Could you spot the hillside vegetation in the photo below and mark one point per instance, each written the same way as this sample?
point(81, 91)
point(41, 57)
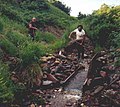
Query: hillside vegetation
point(21, 56)
point(18, 53)
point(103, 26)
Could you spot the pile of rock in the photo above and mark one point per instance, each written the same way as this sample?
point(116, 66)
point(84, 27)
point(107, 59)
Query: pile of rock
point(59, 69)
point(102, 86)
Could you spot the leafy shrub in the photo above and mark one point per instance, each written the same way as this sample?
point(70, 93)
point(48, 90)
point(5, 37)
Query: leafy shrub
point(31, 53)
point(6, 86)
point(63, 7)
point(101, 23)
point(115, 39)
point(115, 43)
point(8, 47)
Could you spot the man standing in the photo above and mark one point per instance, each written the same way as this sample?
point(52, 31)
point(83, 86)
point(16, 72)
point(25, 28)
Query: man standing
point(32, 28)
point(79, 38)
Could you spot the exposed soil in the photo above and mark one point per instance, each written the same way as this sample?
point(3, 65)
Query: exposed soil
point(58, 32)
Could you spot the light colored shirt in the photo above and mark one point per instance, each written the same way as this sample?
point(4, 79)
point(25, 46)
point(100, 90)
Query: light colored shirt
point(79, 34)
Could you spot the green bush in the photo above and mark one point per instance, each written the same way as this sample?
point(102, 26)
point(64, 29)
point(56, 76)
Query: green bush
point(101, 23)
point(115, 39)
point(115, 43)
point(8, 46)
point(6, 86)
point(31, 53)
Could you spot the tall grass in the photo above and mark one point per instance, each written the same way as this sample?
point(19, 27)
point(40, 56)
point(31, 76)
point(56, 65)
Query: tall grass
point(46, 37)
point(9, 25)
point(16, 38)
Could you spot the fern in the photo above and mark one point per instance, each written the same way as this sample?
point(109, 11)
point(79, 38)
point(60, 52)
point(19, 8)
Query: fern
point(6, 90)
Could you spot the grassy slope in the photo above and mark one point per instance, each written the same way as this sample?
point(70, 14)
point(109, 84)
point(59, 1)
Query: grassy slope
point(15, 16)
point(15, 43)
point(17, 51)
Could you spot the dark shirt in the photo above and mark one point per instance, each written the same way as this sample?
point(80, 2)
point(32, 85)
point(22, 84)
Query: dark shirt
point(31, 30)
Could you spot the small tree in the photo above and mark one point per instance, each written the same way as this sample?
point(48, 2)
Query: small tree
point(81, 16)
point(63, 7)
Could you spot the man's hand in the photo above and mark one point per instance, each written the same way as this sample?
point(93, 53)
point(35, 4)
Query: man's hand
point(35, 28)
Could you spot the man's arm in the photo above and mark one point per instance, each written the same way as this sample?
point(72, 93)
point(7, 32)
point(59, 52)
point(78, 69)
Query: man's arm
point(72, 34)
point(30, 26)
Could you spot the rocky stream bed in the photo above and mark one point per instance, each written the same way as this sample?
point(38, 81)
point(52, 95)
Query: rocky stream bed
point(68, 82)
point(69, 94)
